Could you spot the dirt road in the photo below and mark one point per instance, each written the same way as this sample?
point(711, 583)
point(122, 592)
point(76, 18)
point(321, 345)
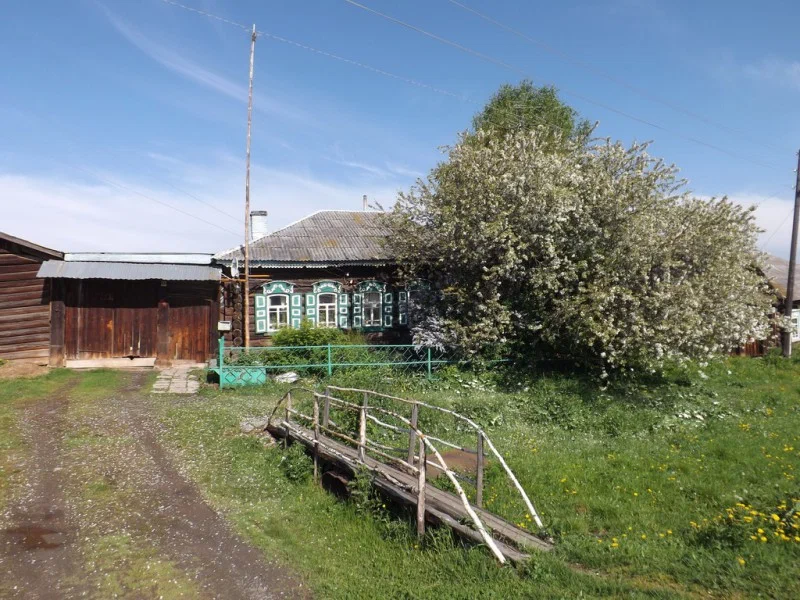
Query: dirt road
point(104, 510)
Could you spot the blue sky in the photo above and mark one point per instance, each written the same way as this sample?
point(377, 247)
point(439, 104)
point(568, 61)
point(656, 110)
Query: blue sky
point(111, 110)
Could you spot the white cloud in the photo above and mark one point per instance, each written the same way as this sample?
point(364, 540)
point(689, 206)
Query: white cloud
point(76, 211)
point(775, 71)
point(192, 71)
point(773, 215)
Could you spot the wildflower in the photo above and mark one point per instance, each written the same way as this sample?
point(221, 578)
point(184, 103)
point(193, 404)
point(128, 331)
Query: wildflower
point(614, 545)
point(644, 536)
point(661, 535)
point(635, 493)
point(763, 539)
point(741, 561)
point(669, 531)
point(775, 517)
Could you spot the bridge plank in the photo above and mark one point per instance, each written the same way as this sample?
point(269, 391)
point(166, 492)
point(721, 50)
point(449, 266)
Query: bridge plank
point(444, 507)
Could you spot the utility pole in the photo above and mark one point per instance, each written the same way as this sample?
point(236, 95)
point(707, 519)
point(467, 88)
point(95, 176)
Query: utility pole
point(246, 319)
point(787, 309)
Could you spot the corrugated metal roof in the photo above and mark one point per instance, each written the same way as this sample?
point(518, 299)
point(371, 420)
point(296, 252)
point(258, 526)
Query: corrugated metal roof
point(127, 271)
point(170, 258)
point(327, 236)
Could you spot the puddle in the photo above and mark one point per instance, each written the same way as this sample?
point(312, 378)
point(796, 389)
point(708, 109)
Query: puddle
point(35, 537)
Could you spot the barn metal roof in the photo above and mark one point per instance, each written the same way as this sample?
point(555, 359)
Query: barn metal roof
point(127, 271)
point(329, 237)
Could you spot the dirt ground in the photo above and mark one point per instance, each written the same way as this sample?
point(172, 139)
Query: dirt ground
point(97, 474)
point(14, 369)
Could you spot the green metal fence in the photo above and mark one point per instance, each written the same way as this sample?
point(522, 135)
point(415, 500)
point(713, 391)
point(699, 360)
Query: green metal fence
point(239, 366)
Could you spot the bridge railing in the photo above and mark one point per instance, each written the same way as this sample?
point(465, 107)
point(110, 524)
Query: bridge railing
point(420, 446)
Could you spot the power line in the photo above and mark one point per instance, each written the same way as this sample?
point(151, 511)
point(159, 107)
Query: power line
point(518, 70)
point(475, 53)
point(605, 74)
point(363, 66)
point(209, 15)
point(161, 202)
point(211, 206)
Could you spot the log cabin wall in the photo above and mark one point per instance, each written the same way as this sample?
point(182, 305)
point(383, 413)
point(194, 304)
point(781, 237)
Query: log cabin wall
point(24, 301)
point(303, 279)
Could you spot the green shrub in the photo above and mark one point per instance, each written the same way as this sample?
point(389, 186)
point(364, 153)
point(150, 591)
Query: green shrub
point(296, 464)
point(309, 335)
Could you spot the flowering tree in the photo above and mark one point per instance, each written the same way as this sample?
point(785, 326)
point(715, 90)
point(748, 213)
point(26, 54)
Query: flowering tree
point(594, 251)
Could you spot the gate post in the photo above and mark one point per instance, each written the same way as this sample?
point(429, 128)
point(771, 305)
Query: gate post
point(362, 430)
point(221, 361)
point(479, 476)
point(316, 438)
point(326, 409)
point(330, 365)
point(421, 490)
point(412, 434)
point(430, 376)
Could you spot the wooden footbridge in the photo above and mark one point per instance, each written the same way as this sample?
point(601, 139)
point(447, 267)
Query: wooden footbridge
point(335, 430)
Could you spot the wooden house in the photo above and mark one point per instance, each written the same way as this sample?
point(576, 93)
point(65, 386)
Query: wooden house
point(330, 268)
point(24, 300)
point(119, 310)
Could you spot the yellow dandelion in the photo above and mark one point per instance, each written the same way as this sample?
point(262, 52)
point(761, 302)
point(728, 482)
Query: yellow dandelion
point(741, 561)
point(644, 536)
point(775, 517)
point(614, 545)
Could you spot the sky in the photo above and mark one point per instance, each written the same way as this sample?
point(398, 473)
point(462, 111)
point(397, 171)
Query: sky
point(123, 124)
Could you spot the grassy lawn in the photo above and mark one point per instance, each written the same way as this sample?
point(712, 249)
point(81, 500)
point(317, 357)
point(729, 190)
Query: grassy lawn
point(675, 488)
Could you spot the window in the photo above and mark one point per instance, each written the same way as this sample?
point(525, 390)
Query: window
point(796, 325)
point(372, 309)
point(326, 310)
point(277, 312)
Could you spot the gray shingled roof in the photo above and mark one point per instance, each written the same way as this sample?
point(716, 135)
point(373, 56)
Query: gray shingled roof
point(326, 237)
point(777, 271)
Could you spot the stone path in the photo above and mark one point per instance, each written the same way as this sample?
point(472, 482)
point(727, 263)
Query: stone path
point(176, 380)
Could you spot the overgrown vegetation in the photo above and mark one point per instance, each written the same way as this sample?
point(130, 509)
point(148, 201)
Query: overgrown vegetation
point(587, 249)
point(660, 488)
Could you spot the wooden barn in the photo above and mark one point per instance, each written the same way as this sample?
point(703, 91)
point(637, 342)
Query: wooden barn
point(330, 268)
point(24, 300)
point(122, 310)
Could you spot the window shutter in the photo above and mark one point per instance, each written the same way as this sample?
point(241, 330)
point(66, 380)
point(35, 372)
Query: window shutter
point(358, 310)
point(402, 308)
point(311, 308)
point(388, 308)
point(343, 312)
point(261, 313)
point(295, 310)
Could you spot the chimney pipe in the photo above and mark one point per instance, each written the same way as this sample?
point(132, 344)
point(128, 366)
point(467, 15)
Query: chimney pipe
point(258, 224)
point(364, 201)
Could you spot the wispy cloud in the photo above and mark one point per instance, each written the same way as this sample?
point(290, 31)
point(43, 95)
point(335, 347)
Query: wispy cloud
point(775, 71)
point(177, 63)
point(404, 171)
point(84, 208)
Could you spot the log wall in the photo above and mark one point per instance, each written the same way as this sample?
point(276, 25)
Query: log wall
point(24, 306)
point(303, 279)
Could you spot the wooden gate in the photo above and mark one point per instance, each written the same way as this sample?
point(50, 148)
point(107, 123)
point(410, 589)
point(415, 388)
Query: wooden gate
point(110, 319)
point(190, 314)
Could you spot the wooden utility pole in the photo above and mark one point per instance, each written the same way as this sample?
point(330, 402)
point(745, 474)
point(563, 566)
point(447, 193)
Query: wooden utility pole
point(246, 319)
point(787, 309)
